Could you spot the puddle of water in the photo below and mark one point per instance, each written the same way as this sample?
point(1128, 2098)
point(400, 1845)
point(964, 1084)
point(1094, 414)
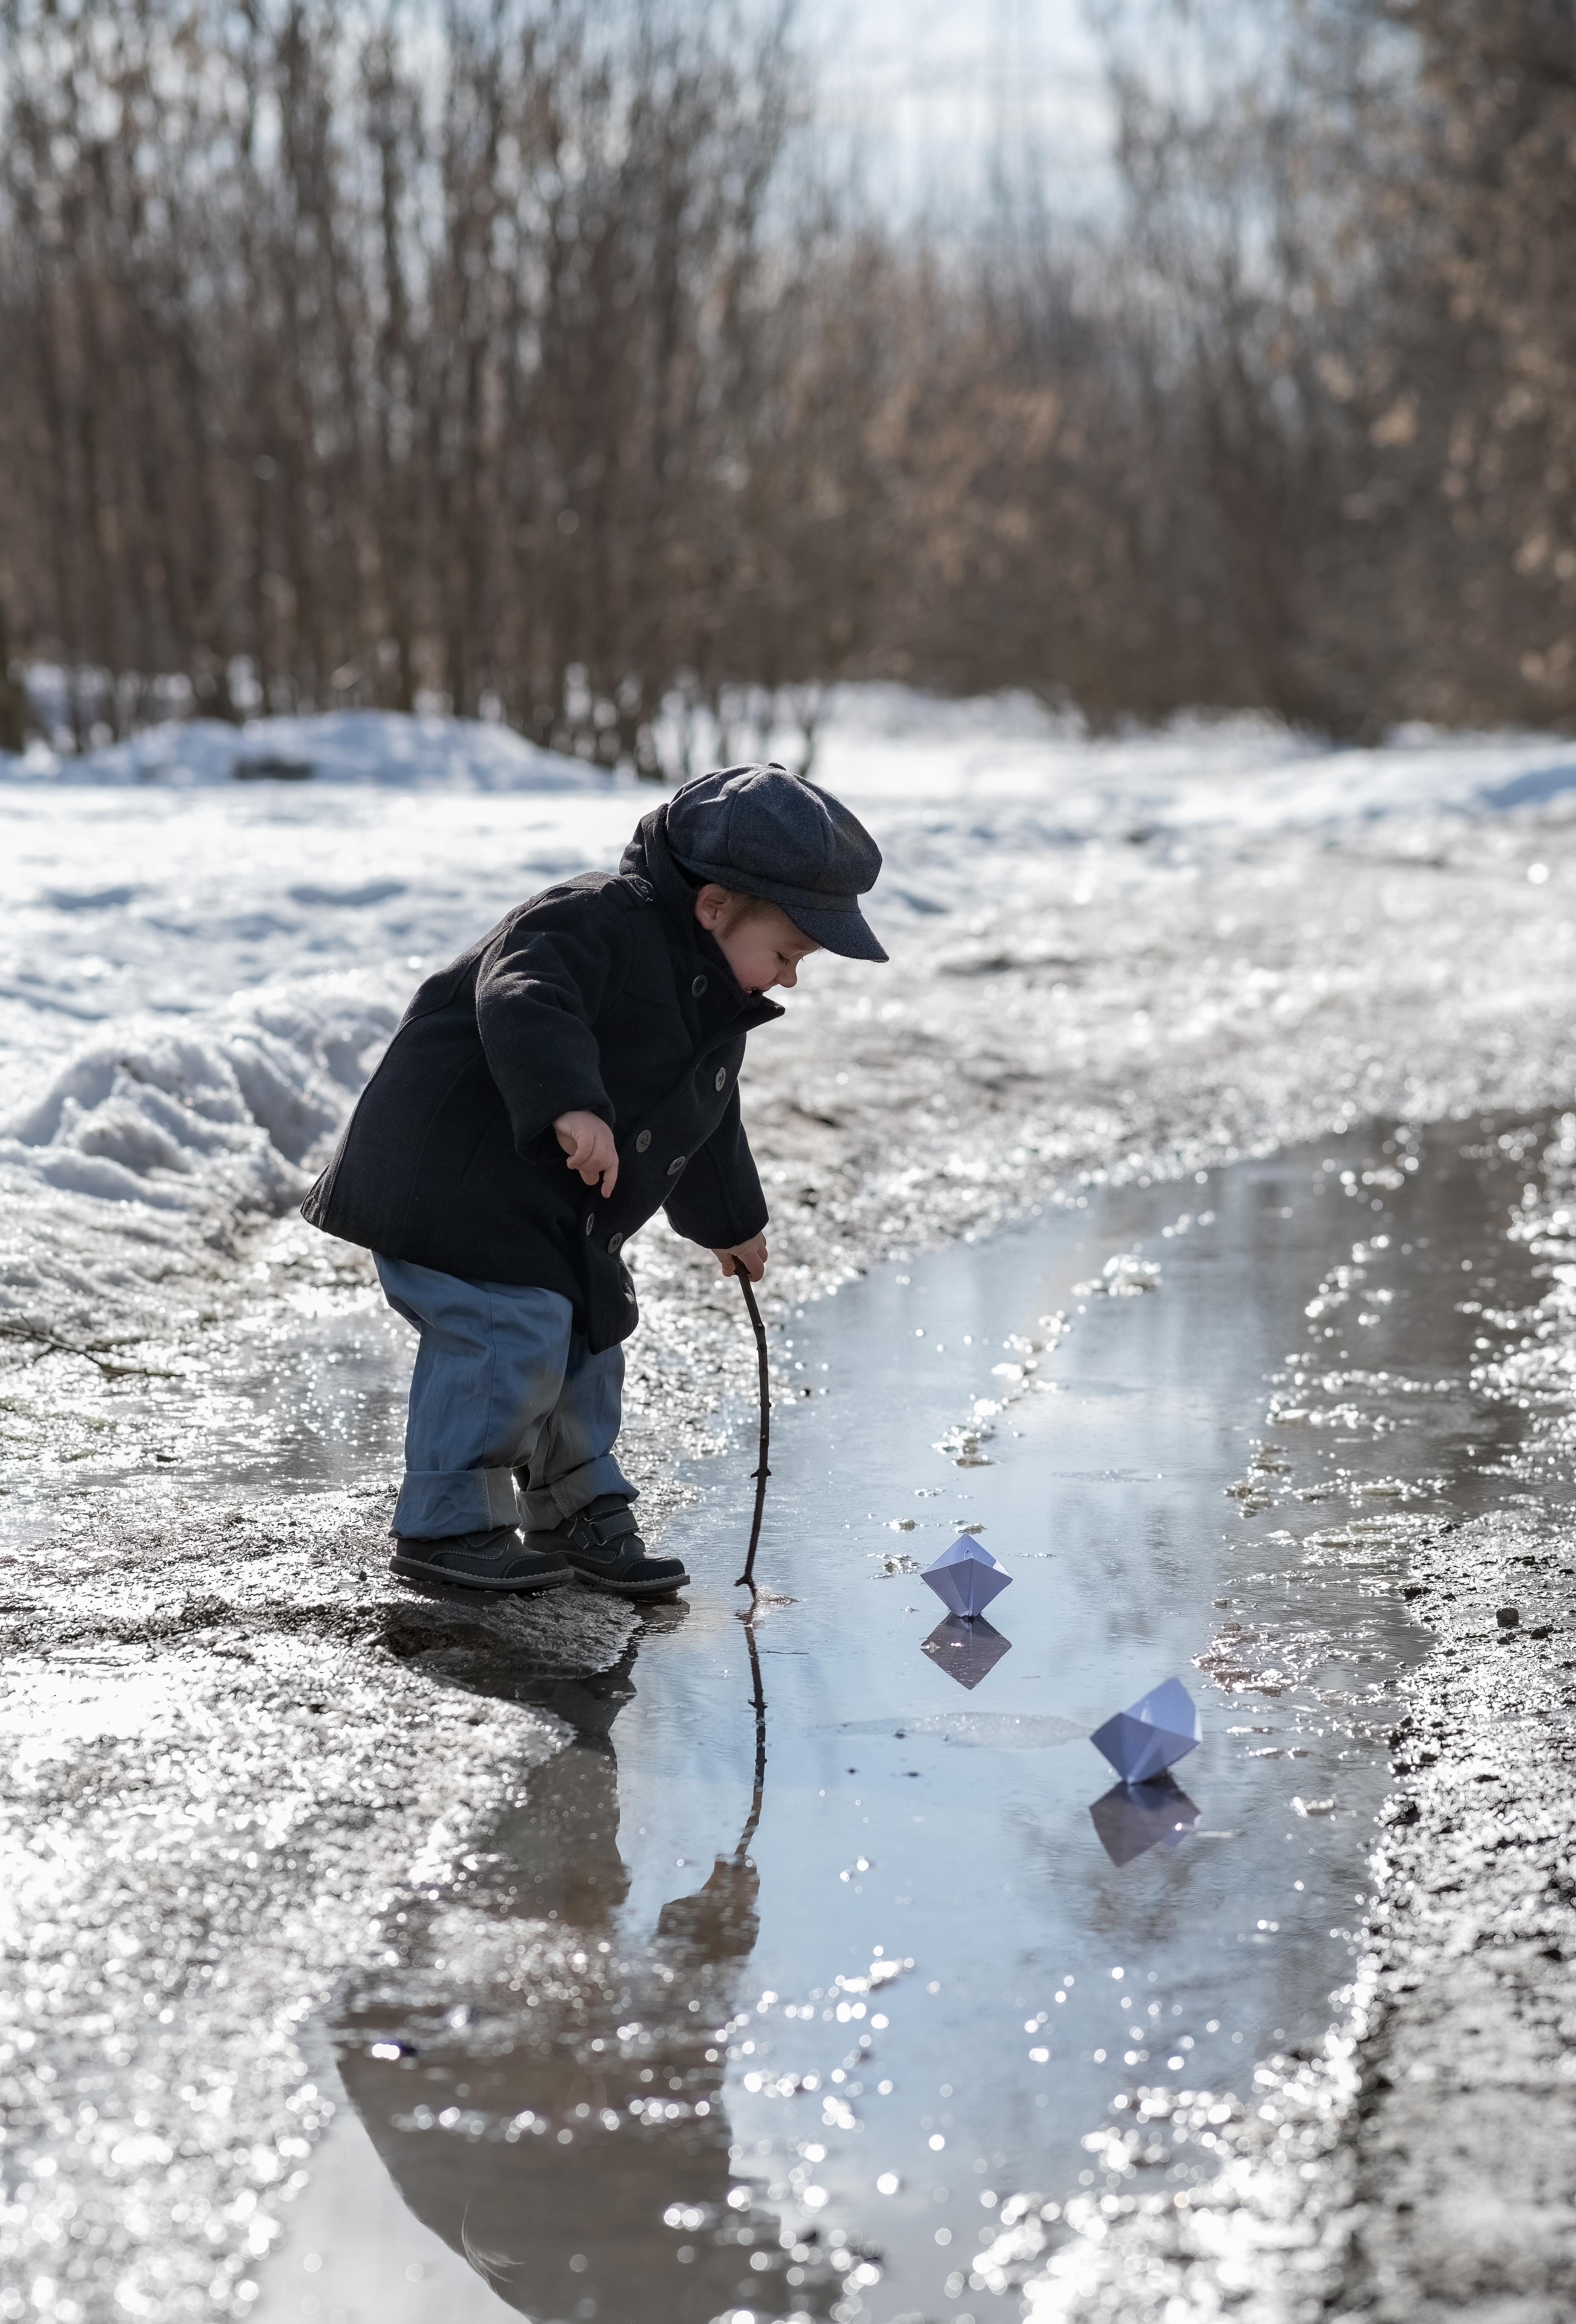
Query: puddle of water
point(828, 1932)
point(289, 1399)
point(357, 2253)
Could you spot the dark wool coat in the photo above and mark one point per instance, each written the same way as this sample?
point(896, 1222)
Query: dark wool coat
point(602, 994)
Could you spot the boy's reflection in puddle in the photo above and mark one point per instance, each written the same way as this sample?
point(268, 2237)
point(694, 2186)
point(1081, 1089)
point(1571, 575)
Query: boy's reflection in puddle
point(544, 2124)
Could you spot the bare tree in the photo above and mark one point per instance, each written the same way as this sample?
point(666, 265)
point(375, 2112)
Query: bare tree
point(517, 361)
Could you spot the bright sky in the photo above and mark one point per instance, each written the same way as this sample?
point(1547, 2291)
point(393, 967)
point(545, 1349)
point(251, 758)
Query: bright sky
point(936, 93)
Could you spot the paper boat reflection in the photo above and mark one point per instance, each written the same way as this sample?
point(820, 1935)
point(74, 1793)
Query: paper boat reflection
point(1133, 1817)
point(966, 1650)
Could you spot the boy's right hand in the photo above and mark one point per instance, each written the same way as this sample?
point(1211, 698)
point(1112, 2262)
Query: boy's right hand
point(747, 1258)
point(588, 1144)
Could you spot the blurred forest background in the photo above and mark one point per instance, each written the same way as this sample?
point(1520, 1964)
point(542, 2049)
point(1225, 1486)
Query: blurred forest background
point(535, 358)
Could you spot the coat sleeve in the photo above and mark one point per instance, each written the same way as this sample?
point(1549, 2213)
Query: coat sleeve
point(719, 1202)
point(541, 986)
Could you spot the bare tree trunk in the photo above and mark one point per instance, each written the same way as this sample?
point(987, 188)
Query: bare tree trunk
point(14, 710)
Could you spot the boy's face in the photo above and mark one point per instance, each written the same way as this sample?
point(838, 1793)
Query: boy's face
point(763, 950)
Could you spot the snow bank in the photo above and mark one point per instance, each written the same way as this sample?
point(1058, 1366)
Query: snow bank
point(1197, 775)
point(195, 973)
point(343, 746)
point(895, 743)
point(142, 1114)
point(153, 1138)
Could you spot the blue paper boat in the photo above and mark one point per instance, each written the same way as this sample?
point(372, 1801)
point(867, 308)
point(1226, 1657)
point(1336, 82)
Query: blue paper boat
point(966, 1577)
point(1161, 1728)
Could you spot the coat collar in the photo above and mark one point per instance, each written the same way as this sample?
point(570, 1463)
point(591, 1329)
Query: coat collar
point(648, 857)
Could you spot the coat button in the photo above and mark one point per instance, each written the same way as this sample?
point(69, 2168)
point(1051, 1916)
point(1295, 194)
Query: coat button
point(591, 1226)
point(642, 1142)
point(677, 1165)
point(615, 1243)
point(698, 987)
point(721, 1080)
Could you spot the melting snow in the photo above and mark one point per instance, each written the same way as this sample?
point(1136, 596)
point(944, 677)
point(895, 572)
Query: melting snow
point(1173, 944)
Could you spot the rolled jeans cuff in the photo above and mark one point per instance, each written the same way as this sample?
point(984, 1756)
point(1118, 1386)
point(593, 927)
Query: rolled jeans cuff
point(547, 1505)
point(435, 1503)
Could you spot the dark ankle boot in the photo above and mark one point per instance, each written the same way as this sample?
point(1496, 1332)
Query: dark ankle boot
point(603, 1545)
point(498, 1560)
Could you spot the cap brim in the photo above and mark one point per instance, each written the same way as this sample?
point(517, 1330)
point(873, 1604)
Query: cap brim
point(840, 927)
point(848, 933)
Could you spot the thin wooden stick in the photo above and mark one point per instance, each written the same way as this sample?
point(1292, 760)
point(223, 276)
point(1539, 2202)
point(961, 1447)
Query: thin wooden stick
point(747, 1579)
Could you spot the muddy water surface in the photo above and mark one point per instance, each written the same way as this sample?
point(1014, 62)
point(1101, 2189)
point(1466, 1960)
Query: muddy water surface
point(829, 1939)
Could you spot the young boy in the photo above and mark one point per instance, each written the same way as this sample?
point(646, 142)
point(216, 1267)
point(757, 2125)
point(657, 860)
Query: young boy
point(543, 1096)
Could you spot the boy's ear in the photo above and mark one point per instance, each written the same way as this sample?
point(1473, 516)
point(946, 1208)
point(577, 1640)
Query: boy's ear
point(708, 905)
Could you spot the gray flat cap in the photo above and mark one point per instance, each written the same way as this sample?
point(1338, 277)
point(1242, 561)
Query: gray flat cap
point(766, 833)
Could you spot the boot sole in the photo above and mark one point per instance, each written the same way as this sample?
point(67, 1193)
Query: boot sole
point(632, 1588)
point(419, 1573)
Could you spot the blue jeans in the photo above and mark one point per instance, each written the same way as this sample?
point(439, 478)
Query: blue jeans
point(511, 1419)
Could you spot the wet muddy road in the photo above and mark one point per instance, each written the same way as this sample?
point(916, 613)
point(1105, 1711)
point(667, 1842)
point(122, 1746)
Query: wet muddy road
point(816, 1973)
point(235, 1753)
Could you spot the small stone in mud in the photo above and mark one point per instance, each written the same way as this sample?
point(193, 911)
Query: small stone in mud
point(1507, 1617)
